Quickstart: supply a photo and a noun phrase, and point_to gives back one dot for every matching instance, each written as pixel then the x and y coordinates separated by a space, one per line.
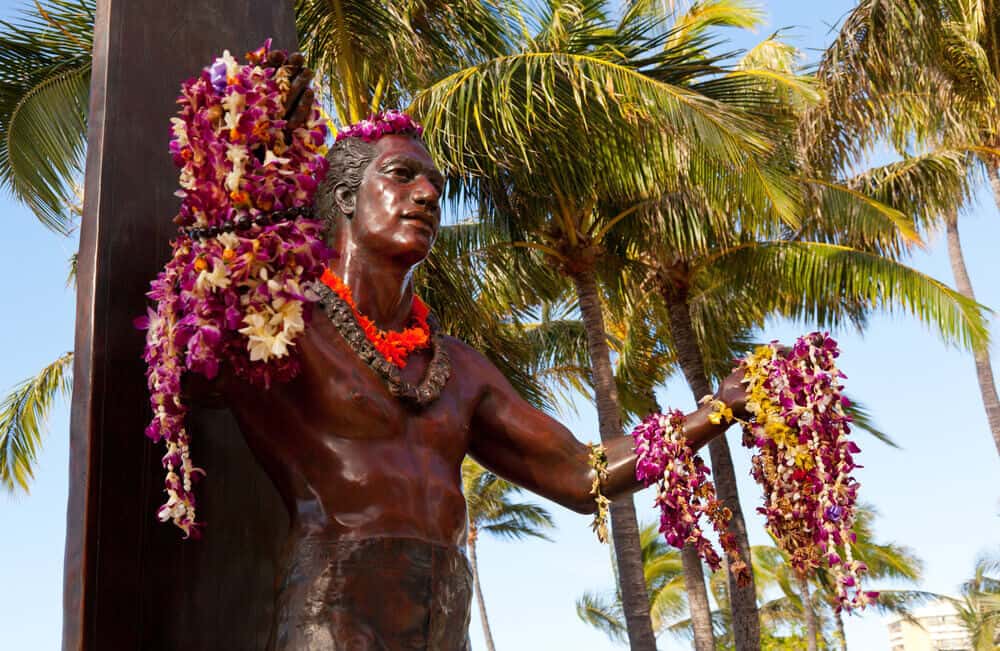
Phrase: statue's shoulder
pixel 461 352
pixel 470 362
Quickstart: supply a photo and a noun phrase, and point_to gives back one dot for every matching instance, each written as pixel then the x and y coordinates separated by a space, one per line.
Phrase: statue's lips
pixel 423 219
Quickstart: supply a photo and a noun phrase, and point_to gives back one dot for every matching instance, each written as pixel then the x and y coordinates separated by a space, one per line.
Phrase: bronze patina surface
pixel 327 601
pixel 356 465
pixel 374 517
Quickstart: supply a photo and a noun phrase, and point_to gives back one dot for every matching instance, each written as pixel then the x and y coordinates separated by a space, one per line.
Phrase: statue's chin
pixel 415 248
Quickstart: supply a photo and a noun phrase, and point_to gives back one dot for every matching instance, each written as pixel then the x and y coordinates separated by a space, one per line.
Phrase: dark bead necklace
pixel 438 371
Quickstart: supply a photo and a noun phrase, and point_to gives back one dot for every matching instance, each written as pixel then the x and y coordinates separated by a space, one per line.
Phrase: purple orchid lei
pixel 684 492
pixel 804 458
pixel 235 290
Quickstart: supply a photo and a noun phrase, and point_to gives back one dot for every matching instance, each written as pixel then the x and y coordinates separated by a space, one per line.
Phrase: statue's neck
pixel 382 289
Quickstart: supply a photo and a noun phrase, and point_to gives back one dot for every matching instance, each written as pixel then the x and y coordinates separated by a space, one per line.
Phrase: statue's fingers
pixel 276 58
pixel 302 111
pixel 300 86
pixel 301 80
pixel 296 60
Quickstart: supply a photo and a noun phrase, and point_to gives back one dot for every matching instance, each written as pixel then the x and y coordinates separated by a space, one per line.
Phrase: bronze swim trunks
pixel 376 594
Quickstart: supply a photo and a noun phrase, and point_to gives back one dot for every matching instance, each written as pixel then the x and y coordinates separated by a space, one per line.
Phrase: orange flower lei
pixel 394 346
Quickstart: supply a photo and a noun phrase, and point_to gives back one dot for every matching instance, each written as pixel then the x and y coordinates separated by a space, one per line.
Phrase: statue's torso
pixel 350 460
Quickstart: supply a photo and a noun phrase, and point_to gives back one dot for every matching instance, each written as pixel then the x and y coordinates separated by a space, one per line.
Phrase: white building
pixel 940 630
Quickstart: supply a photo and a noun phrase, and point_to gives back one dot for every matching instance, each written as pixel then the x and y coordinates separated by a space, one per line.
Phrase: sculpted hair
pixel 348 160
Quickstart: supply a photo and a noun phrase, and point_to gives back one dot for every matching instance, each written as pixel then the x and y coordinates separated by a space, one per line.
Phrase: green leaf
pixel 44 86
pixel 823 282
pixel 22 420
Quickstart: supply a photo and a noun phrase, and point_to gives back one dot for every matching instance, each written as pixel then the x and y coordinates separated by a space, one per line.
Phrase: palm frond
pixel 373 54
pixel 664 575
pixel 902 602
pixel 602 613
pixel 44 88
pixel 853 218
pixel 491 507
pixel 503 117
pixel 923 187
pixel 71 273
pixel 818 282
pixel 861 418
pixel 22 420
pixel 705 15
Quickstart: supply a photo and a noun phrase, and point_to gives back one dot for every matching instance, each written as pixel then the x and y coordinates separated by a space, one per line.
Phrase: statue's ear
pixel 345 199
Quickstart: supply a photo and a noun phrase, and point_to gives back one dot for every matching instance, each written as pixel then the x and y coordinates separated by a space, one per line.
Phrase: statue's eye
pixel 401 173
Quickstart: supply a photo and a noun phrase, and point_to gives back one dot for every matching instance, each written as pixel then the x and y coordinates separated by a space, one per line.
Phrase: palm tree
pixel 44 84
pixel 492 510
pixel 714 297
pixel 979 607
pixel 687 237
pixel 580 77
pixel 918 73
pixel 663 572
pixel 371 54
pixel 810 600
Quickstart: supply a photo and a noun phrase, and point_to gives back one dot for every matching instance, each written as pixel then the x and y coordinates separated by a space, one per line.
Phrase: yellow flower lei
pixel 599 462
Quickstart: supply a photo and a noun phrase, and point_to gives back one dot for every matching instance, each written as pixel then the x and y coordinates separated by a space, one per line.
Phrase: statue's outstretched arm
pixel 532 449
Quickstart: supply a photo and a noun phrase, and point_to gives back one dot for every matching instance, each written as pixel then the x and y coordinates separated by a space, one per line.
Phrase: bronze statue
pixel 372 481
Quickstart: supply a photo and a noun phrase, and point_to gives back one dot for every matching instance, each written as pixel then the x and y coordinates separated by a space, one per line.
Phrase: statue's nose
pixel 426 194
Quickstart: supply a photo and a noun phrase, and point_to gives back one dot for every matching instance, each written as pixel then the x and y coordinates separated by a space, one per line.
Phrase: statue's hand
pixel 300 96
pixel 733 392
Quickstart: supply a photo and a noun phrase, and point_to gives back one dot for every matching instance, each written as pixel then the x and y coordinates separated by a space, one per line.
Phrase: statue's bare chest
pixel 355 402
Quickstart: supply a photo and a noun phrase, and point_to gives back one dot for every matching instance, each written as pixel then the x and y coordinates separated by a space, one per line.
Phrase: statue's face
pixel 397 208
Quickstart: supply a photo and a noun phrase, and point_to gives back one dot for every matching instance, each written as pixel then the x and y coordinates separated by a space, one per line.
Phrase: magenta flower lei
pixel 381 124
pixel 234 290
pixel 684 492
pixel 804 458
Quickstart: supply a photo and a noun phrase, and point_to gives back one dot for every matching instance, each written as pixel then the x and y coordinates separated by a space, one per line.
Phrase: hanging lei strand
pixel 598 460
pixel 684 492
pixel 803 461
pixel 804 458
pixel 234 289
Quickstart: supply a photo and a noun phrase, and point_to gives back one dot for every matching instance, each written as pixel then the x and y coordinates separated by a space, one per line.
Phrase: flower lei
pixel 394 346
pixel 684 492
pixel 598 460
pixel 234 289
pixel 804 458
pixel 381 124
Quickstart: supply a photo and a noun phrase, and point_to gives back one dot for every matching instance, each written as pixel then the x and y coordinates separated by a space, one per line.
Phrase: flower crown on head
pixel 380 124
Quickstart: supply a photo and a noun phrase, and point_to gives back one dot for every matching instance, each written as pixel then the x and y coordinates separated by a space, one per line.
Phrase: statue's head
pixel 382 191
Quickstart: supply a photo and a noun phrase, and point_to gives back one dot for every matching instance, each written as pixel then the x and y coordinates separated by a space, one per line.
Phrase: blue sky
pixel 938 495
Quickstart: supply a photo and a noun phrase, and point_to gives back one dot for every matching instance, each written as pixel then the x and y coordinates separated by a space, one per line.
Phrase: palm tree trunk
pixel 838 617
pixel 746 622
pixel 994 174
pixel 812 630
pixel 487 633
pixel 984 367
pixel 624 526
pixel 697 594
